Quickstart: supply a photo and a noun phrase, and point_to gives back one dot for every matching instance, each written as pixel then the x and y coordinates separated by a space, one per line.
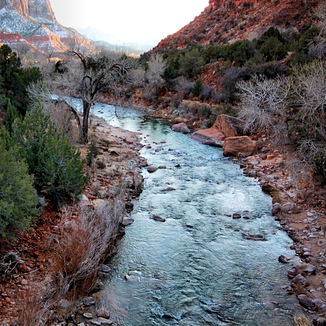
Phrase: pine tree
pixel 18 198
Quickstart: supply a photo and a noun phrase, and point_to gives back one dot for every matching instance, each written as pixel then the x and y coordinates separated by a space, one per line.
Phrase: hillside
pixel 31 24
pixel 224 21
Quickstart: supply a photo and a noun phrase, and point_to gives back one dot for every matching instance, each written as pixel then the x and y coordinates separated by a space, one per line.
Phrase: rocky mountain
pixel 31 24
pixel 227 20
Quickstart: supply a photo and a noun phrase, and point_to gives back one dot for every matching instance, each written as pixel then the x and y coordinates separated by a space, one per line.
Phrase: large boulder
pixel 181 127
pixel 243 145
pixel 229 126
pixel 209 136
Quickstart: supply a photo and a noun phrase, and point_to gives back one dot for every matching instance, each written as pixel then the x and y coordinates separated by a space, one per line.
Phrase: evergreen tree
pixel 54 162
pixel 18 197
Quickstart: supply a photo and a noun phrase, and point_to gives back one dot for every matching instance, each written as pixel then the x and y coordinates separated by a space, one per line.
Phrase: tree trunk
pixel 86 109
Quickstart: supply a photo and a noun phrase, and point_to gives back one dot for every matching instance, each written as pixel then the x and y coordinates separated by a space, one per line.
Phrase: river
pixel 198 267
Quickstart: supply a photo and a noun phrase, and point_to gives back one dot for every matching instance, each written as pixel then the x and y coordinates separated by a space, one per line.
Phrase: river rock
pixel 158 218
pixel 282 259
pixel 234 146
pixel 236 216
pixel 64 304
pixel 254 237
pixel 152 169
pixel 276 209
pixel 88 301
pixel 102 312
pixel 308 303
pixel 299 280
pixel 127 221
pixel 129 206
pixel 105 268
pixel 287 208
pixel 210 136
pixel 229 126
pixel 87 315
pixel 181 127
pixel 306 269
pixel 105 321
pixel 319 321
pixel 168 189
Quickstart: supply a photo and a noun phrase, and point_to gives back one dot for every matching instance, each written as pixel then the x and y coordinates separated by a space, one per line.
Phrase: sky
pixel 143 22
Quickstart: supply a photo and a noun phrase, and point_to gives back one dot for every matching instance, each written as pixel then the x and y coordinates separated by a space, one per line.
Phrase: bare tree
pixel 87 78
pixel 138 77
pixel 156 67
pixel 155 71
pixel 263 105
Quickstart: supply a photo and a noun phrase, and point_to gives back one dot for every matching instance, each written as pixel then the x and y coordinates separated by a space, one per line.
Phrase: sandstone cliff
pixel 31 24
pixel 227 20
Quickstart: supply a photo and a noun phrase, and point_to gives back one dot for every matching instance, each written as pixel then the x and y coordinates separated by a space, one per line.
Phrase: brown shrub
pixel 83 245
pixel 33 310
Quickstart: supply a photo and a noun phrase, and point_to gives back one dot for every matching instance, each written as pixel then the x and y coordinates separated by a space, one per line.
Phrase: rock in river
pixel 209 136
pixel 158 218
pixel 181 127
pixel 152 169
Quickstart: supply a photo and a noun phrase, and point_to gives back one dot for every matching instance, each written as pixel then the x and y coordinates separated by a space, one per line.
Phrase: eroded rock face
pixel 32 24
pixel 39 10
pixel 234 146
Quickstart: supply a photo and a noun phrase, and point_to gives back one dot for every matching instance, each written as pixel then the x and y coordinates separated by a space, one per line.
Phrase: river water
pixel 198 268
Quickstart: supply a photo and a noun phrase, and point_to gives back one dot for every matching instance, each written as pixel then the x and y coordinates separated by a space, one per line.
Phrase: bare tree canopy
pixel 87 77
pixel 263 105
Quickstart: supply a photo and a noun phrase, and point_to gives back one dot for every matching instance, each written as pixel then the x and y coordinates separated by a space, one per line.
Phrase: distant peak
pixel 39 10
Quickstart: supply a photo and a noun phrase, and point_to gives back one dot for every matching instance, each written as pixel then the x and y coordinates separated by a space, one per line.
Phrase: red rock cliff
pixel 227 20
pixel 37 26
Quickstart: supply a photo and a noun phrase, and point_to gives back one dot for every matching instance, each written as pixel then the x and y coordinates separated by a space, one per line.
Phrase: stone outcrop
pixel 224 126
pixel 209 136
pixel 31 25
pixel 229 126
pixel 240 145
pixel 229 20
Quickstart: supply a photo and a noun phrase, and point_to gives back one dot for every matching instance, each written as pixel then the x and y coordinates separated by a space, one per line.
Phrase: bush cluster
pixel 18 198
pixel 34 155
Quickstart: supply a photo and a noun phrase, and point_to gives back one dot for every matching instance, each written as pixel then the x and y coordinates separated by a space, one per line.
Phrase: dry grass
pixel 79 249
pixel 33 311
pixel 301 320
pixel 83 245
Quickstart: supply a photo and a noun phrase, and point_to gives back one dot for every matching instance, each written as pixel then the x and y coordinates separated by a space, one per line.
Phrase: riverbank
pixel 30 291
pixel 298 204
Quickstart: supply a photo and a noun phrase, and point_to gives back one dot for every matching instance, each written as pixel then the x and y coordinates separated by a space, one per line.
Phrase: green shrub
pixel 197 88
pixel 212 53
pixel 191 63
pixel 15 79
pixel 273 49
pixel 239 52
pixel 92 152
pixel 18 197
pixel 10 116
pixel 54 162
pixel 271 32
